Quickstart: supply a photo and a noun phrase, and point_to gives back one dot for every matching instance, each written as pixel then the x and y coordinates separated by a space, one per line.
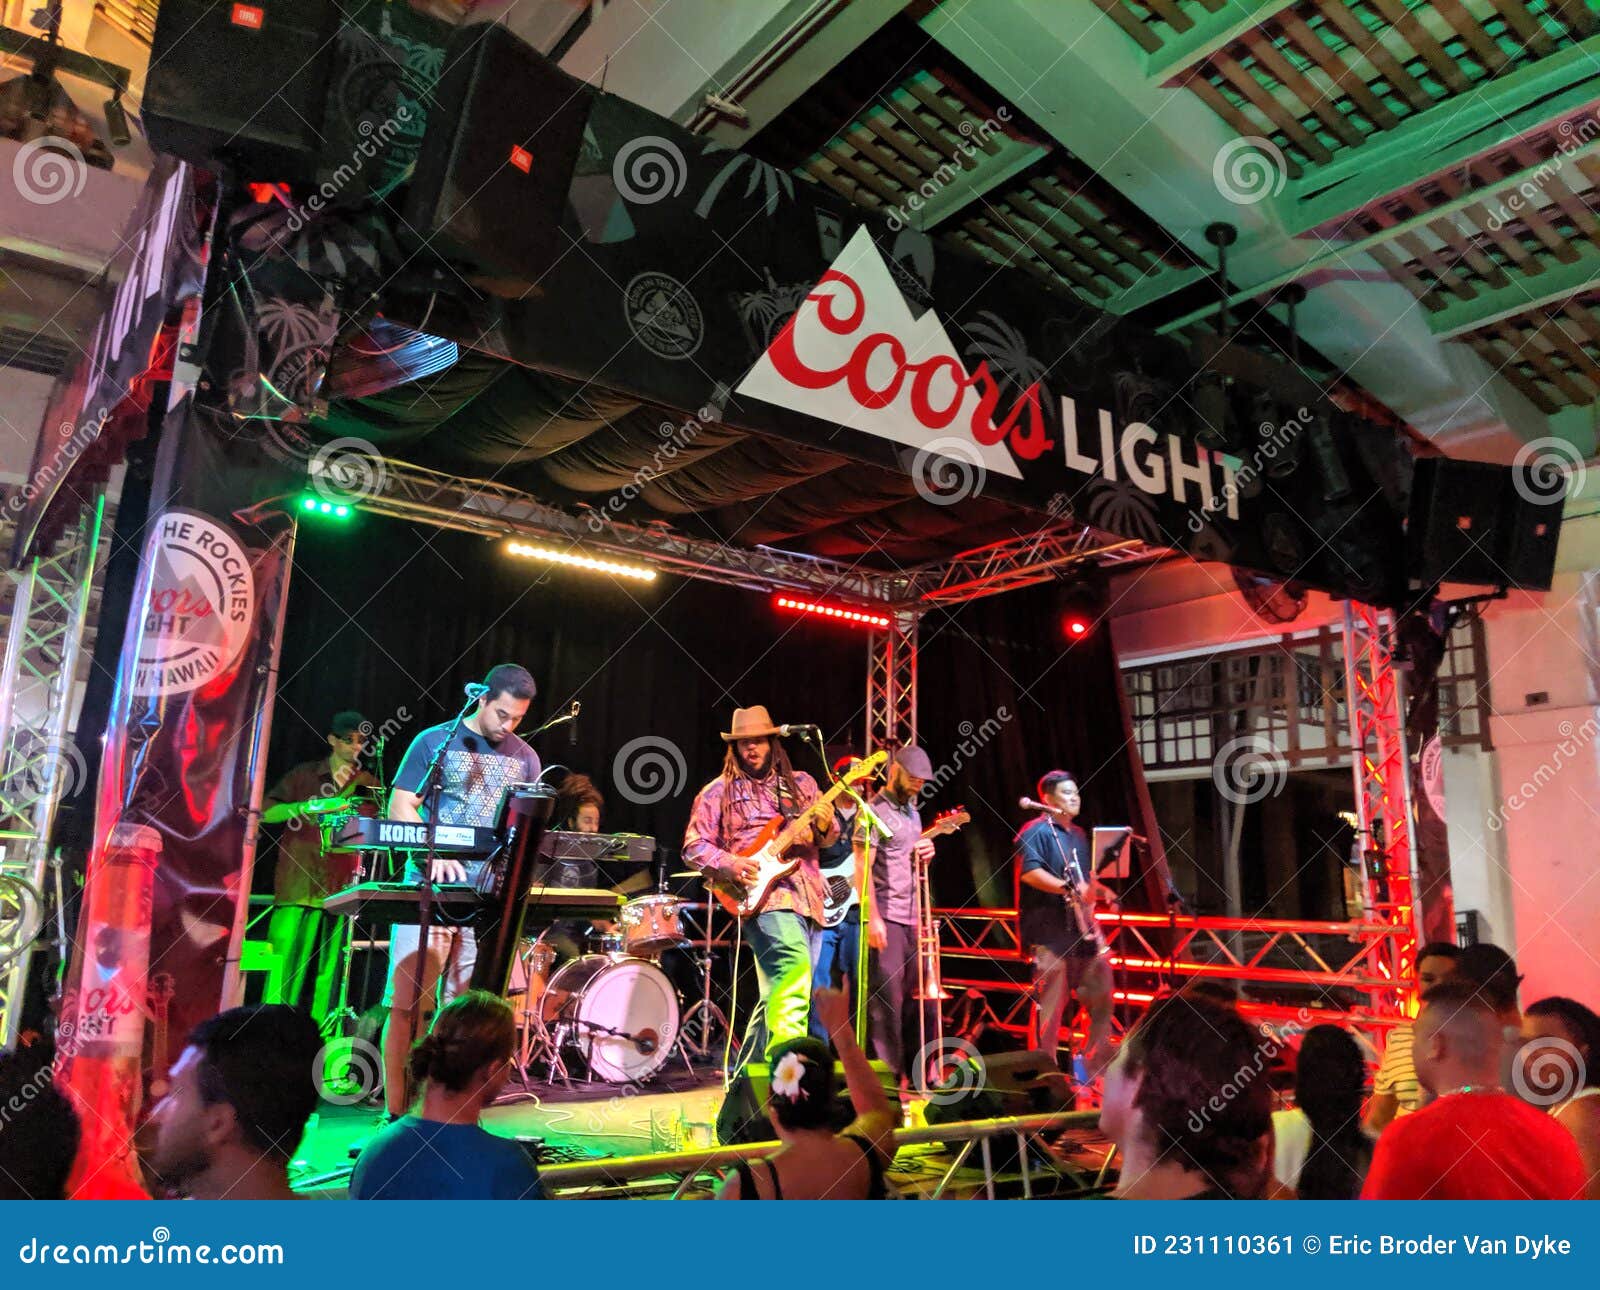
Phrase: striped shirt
pixel 1397 1075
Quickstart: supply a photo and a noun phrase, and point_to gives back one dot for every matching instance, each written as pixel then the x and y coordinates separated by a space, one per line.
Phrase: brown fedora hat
pixel 749 723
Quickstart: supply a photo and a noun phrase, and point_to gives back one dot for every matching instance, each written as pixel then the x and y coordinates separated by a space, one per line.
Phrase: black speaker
pixel 241 81
pixel 743 1114
pixel 497 160
pixel 1474 522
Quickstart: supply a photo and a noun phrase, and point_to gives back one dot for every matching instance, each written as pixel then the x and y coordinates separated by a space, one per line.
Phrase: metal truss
pixel 399 490
pixel 1376 698
pixel 892 683
pixel 1023 562
pixel 1301 972
pixel 39 763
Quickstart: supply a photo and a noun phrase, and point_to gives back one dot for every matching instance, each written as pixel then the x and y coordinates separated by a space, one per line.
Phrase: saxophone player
pixel 1057 921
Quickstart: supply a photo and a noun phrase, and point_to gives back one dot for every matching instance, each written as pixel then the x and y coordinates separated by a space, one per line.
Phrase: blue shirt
pixel 415 1159
pixel 1062 851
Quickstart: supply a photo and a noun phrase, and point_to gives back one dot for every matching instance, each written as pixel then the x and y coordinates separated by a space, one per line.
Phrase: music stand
pixel 1111 856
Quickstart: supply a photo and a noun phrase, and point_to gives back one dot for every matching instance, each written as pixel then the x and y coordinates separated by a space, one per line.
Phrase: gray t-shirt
pixel 475 775
pixel 894 880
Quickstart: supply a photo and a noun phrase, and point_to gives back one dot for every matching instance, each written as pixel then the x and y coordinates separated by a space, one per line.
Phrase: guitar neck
pixel 786 838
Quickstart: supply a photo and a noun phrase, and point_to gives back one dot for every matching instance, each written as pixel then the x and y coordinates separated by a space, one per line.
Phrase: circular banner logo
pixel 201 607
pixel 663 316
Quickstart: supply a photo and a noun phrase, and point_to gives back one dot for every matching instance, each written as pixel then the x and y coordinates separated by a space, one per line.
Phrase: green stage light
pixel 312 505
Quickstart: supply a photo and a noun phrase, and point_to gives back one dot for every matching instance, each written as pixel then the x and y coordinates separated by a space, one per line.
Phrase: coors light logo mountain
pixel 854 355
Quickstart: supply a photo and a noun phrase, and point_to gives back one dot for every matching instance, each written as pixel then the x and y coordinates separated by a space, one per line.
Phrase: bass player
pixel 758 783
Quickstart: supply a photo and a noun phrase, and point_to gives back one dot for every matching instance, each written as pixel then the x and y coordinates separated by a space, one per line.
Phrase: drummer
pixel 578 807
pixel 304 938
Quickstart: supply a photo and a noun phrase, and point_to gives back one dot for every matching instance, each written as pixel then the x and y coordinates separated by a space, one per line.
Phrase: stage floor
pixel 676 1112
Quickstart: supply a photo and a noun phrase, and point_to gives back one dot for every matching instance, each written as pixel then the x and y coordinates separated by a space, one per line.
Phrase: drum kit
pixel 612 1013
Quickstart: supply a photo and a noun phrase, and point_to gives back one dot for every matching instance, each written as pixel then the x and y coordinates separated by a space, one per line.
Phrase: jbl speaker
pixel 743 1116
pixel 241 81
pixel 1479 523
pixel 497 160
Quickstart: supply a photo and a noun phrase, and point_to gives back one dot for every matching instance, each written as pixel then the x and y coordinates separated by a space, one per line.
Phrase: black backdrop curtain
pixel 996 676
pixel 393 619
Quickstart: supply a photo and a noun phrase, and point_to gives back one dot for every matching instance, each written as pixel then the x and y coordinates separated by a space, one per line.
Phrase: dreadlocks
pixel 777 759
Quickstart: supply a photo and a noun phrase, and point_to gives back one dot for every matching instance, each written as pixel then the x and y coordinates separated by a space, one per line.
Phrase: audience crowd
pixel 1476 1098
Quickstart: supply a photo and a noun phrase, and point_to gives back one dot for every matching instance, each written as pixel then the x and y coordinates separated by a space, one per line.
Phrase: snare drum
pixel 652 924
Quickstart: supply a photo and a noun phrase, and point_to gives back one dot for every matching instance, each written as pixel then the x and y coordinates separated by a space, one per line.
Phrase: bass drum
pixel 619 1015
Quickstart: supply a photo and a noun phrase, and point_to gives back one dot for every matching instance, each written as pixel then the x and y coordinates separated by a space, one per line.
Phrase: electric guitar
pixel 767 850
pixel 839 879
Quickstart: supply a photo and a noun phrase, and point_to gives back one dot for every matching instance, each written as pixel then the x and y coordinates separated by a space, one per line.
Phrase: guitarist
pixel 891 905
pixel 1054 862
pixel 757 783
pixel 836 949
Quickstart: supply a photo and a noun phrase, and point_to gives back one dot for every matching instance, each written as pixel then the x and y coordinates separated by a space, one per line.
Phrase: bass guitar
pixel 770 847
pixel 839 879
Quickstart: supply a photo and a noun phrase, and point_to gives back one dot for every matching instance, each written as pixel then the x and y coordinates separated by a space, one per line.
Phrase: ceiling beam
pixel 1522 292
pixel 1082 80
pixel 1445 137
pixel 1210 33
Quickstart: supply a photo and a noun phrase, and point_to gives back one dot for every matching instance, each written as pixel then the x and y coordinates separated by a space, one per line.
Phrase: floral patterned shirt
pixel 726 816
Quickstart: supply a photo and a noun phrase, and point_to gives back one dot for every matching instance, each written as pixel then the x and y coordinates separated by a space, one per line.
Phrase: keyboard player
pixel 482 762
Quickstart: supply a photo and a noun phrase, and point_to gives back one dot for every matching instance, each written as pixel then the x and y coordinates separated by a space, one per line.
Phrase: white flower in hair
pixel 787 1075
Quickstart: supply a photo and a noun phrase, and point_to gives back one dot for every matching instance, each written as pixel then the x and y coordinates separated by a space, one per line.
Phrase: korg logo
pixel 521 158
pixel 249 15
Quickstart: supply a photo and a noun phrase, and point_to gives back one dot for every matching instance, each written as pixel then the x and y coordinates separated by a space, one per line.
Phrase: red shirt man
pixel 1474 1141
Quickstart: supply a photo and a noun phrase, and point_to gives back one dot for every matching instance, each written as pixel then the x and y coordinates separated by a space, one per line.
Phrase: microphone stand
pixel 864 905
pixel 432 786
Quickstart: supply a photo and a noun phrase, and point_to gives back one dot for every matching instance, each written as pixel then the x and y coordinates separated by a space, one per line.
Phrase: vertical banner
pixel 166 876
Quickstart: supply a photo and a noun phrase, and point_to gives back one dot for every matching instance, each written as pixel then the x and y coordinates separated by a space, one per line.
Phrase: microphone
pixel 475 689
pixel 572 734
pixel 1028 804
pixel 786 731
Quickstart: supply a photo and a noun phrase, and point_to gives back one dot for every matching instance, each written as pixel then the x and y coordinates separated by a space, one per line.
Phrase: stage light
pixel 324 508
pixel 1083 605
pixel 577 560
pixel 839 613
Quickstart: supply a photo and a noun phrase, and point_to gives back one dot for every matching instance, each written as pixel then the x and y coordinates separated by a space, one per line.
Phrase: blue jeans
pixel 781 942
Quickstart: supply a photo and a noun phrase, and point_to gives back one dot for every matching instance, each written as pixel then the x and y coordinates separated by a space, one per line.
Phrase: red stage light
pixel 1077 627
pixel 840 613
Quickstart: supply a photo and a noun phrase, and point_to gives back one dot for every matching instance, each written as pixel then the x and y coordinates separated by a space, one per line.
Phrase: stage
pixel 590 1123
